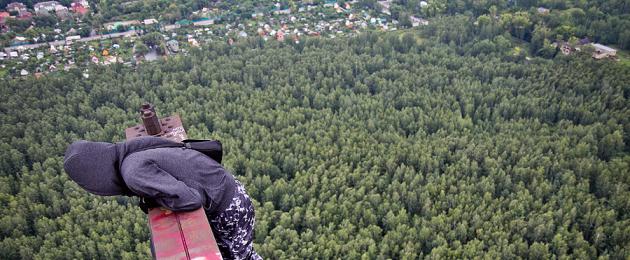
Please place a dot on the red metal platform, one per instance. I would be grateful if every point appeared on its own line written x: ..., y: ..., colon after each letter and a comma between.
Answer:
x: 183, y: 235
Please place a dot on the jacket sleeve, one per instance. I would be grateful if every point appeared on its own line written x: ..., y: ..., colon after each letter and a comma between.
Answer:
x: 148, y: 180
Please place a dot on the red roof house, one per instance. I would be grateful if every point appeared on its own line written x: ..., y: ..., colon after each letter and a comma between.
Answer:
x: 280, y: 36
x: 78, y: 8
x: 3, y: 16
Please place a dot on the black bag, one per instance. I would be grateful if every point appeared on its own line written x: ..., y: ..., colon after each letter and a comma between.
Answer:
x: 211, y: 148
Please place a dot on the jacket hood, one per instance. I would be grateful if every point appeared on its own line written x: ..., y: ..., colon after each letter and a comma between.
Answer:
x: 95, y: 166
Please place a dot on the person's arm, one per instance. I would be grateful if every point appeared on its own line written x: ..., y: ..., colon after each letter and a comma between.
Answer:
x: 146, y: 179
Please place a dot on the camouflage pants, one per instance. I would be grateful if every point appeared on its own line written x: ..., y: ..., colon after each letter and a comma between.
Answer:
x: 234, y: 227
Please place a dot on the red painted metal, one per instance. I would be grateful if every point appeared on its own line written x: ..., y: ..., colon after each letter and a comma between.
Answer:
x: 183, y: 235
x: 176, y: 235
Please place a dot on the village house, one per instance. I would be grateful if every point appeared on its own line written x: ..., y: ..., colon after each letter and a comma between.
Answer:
x: 542, y: 10
x: 282, y: 11
x: 116, y: 25
x: 330, y: 3
x: 16, y: 7
x: 84, y: 3
x: 184, y: 22
x: 24, y: 16
x: 3, y: 16
x: 3, y: 55
x: 72, y: 38
x: 72, y: 31
x: 113, y: 59
x: 280, y: 36
x: 349, y: 24
x: 192, y: 41
x: 603, y: 51
x: 385, y: 6
x: 173, y: 46
x: 79, y: 8
x: 415, y: 21
x: 45, y: 7
x: 204, y: 22
x: 62, y: 12
x: 261, y: 32
x: 60, y: 8
x: 19, y: 40
x: 170, y: 27
x: 149, y: 21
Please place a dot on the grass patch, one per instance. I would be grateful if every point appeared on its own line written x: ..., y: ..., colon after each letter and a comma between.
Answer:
x: 623, y: 55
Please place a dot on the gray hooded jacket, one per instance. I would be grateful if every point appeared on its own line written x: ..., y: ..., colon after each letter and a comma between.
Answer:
x: 176, y: 178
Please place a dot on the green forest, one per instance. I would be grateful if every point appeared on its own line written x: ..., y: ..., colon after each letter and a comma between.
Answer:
x: 436, y: 142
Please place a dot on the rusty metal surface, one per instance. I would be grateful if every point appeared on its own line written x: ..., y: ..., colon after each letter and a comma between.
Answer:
x: 171, y: 128
x: 150, y: 119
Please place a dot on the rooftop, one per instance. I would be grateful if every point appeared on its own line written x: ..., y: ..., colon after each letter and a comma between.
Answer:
x: 603, y: 47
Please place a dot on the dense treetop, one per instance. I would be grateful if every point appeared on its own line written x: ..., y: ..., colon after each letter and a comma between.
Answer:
x: 439, y: 142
